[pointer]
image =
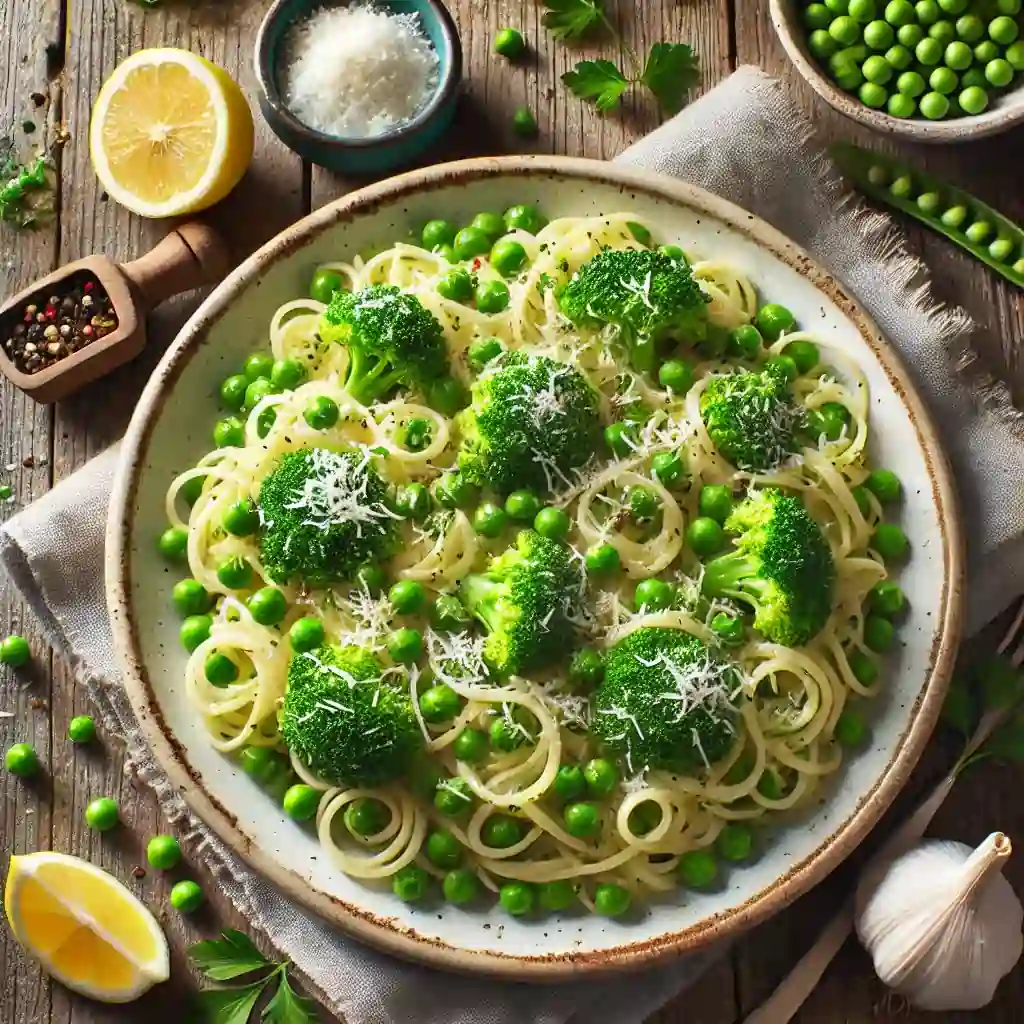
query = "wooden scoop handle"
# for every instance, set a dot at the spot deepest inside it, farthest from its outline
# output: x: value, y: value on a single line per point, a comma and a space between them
x: 191, y: 256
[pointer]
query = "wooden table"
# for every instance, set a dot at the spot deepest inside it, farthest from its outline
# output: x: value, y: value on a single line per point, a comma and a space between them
x: 65, y: 50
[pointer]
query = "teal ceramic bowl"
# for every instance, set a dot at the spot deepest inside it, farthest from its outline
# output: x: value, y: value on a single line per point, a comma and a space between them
x: 379, y: 153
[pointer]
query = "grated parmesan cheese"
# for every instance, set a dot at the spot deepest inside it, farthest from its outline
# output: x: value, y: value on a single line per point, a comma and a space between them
x: 358, y: 71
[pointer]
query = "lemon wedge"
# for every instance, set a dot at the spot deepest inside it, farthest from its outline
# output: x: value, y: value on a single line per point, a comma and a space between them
x: 85, y: 928
x: 171, y: 133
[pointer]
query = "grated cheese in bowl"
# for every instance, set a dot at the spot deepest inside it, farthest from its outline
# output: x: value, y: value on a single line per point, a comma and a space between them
x: 358, y: 71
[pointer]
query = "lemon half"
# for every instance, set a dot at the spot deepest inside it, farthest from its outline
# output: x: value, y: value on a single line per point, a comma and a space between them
x: 85, y: 928
x: 171, y: 133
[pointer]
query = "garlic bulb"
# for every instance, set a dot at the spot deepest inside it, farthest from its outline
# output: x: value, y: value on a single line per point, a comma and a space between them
x: 943, y: 925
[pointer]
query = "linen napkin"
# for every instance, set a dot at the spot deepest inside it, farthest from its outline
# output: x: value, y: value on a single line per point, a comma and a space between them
x: 745, y: 141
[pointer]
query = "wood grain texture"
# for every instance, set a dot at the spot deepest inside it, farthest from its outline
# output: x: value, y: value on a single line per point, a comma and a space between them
x: 276, y: 191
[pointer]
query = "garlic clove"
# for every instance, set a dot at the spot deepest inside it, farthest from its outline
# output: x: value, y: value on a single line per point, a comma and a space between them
x: 942, y: 924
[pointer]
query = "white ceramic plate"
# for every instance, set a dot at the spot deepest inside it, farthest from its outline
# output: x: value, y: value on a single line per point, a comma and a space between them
x: 171, y: 430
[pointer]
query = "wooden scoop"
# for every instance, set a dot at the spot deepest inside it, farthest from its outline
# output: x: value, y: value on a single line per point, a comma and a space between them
x: 191, y: 256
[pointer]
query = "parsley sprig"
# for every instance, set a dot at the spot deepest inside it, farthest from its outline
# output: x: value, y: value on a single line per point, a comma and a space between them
x: 669, y: 72
x: 234, y: 956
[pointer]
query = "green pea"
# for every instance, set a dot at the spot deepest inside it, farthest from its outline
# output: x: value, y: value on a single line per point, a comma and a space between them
x: 191, y: 489
x: 586, y: 669
x: 268, y: 606
x: 974, y: 77
x: 266, y: 419
x: 569, y: 782
x: 668, y: 468
x: 471, y: 746
x: 697, y: 869
x: 879, y: 634
x: 863, y: 666
x: 860, y: 495
x: 22, y: 760
x: 324, y: 284
x: 821, y: 44
x: 603, y: 559
x: 483, y: 351
x: 890, y: 542
x: 241, y: 519
x: 927, y: 11
x: 886, y: 598
x: 850, y: 730
x: 705, y: 536
x: 81, y: 729
x: 611, y: 900
x: 1018, y: 267
x: 508, y: 257
x: 453, y: 490
x: 235, y: 573
x: 517, y: 898
x: 440, y: 703
x: 735, y: 842
x: 555, y: 896
x: 524, y: 122
x: 715, y: 502
x: 447, y: 395
x: 804, y: 353
x: 366, y: 816
x: 676, y: 375
x: 456, y: 285
x: 911, y: 84
x: 959, y: 56
x: 943, y: 81
x: 102, y: 814
x: 979, y: 232
x: 509, y: 42
x: 942, y: 32
x: 899, y: 58
x: 260, y: 763
x: 471, y: 242
x: 986, y: 50
x: 190, y: 597
x: 500, y: 832
x: 492, y: 296
x: 1001, y: 250
x: 745, y: 342
x: 601, y: 776
x: 437, y: 232
x: 416, y: 434
x: 459, y: 886
x: 817, y: 16
x: 232, y: 392
x: 229, y: 433
x: 446, y: 252
x: 1003, y: 30
x: 973, y: 100
x: 453, y: 797
x: 639, y: 232
x: 884, y: 484
x: 257, y: 390
x: 899, y: 12
x: 505, y: 736
x: 371, y: 578
x: 774, y: 320
x: 910, y: 35
x: 410, y: 883
x: 729, y: 629
x: 489, y: 519
x: 407, y: 597
x: 258, y: 365
x: 173, y: 543
x: 490, y: 224
x: 954, y: 217
x: 879, y: 35
x: 194, y: 631
x: 861, y: 10
x: 406, y: 646
x: 163, y: 853
x: 300, y: 802
x: 306, y: 634
x: 928, y: 51
x: 413, y: 501
x: 287, y: 374
x: 187, y: 897
x: 448, y: 614
x: 1015, y: 55
x: 844, y: 30
x: 443, y: 849
x: 553, y: 523
x: 653, y: 596
x: 837, y: 6
x: 934, y: 106
x: 620, y: 439
x: 220, y: 670
x: 999, y: 72
x: 582, y: 819
x: 929, y: 203
x: 872, y: 95
x: 524, y: 218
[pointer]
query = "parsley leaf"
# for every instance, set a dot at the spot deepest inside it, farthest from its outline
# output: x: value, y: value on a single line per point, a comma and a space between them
x: 288, y: 1008
x: 228, y: 957
x: 598, y: 81
x: 570, y: 19
x: 230, y: 1005
x: 670, y: 73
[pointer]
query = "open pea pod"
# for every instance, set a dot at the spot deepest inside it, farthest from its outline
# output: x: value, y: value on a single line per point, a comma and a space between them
x: 972, y: 224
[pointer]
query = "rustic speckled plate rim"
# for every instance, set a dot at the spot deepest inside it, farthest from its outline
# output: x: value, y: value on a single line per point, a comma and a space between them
x: 385, y: 933
x: 996, y: 119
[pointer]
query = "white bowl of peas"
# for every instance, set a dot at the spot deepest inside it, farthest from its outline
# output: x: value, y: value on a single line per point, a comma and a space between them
x: 929, y: 70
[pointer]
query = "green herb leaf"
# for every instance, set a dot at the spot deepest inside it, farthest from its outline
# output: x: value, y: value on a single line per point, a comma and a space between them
x: 228, y: 957
x: 670, y: 73
x: 1002, y: 685
x: 597, y: 81
x: 230, y: 1005
x: 570, y: 19
x: 288, y: 1008
x: 959, y: 711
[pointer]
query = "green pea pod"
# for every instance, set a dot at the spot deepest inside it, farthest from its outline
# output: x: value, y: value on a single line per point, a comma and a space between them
x: 873, y: 174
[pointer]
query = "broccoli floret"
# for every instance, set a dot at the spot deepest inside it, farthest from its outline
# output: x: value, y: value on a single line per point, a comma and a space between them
x: 392, y: 340
x: 751, y: 418
x: 346, y: 723
x: 525, y: 599
x: 782, y: 568
x: 666, y: 701
x: 648, y: 296
x: 324, y: 514
x: 532, y: 421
